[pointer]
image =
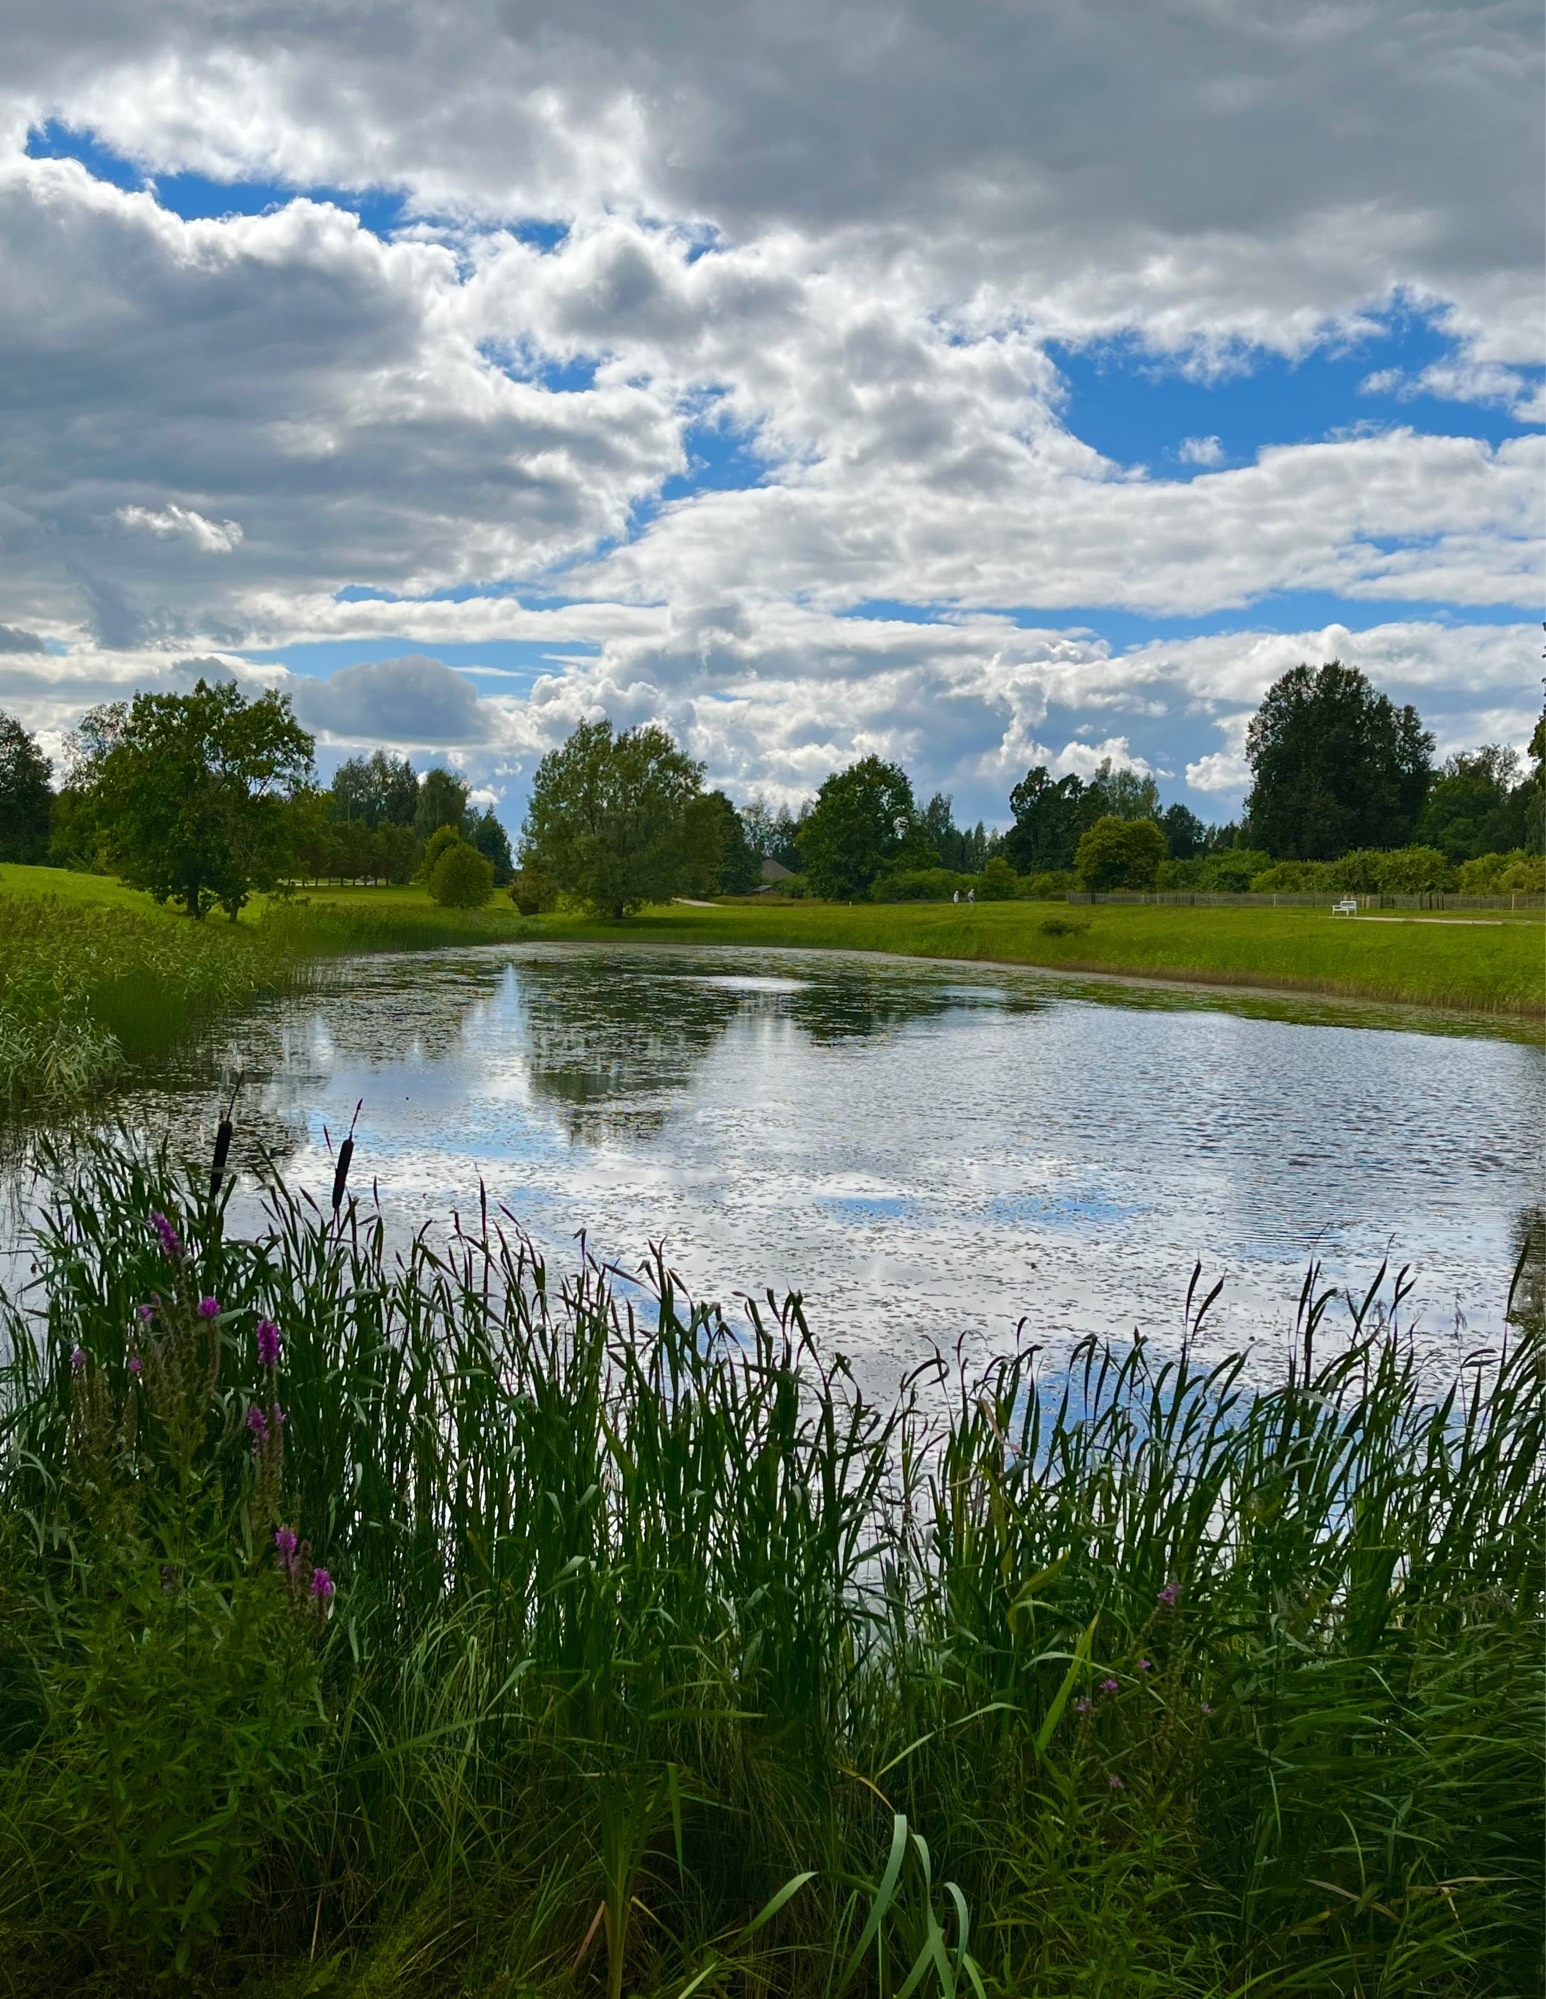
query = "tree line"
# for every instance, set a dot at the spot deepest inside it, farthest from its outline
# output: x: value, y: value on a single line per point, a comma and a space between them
x: 204, y: 799
x: 208, y: 797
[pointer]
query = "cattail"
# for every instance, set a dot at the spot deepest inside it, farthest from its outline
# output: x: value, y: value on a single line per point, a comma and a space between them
x: 222, y: 1145
x: 345, y: 1154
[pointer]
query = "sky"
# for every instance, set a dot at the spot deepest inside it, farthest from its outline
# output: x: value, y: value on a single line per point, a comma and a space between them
x: 979, y: 385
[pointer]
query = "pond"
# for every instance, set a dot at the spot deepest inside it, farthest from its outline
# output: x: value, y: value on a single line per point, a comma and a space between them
x: 927, y: 1153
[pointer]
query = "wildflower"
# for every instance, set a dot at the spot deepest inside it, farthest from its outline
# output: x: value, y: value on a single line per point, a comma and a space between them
x: 1170, y: 1595
x: 1111, y: 1686
x: 321, y: 1585
x: 145, y: 1313
x: 257, y: 1423
x: 135, y: 1363
x: 1081, y: 1707
x: 209, y: 1308
x: 77, y: 1358
x: 1206, y: 1709
x: 286, y: 1543
x: 268, y: 1343
x: 168, y: 1236
x: 1146, y: 1665
x: 1116, y: 1782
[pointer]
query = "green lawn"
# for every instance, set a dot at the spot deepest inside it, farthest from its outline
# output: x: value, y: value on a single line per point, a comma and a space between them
x: 1482, y: 967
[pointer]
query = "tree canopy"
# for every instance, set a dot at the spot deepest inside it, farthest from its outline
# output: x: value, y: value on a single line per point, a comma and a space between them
x: 1120, y: 853
x: 608, y: 819
x: 376, y: 790
x: 1335, y: 765
x: 26, y: 802
x: 187, y: 791
x: 442, y: 801
x: 862, y: 822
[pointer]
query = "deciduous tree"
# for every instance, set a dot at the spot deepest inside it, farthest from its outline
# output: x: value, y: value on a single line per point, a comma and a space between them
x: 188, y: 791
x: 863, y: 821
x: 26, y: 802
x: 608, y: 817
x: 1336, y: 765
x: 1120, y: 853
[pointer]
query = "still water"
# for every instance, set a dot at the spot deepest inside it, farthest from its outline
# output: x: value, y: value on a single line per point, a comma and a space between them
x: 926, y: 1154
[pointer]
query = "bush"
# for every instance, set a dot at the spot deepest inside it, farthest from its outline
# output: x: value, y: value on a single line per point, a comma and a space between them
x: 1391, y: 871
x: 461, y: 878
x: 1120, y: 853
x: 999, y: 882
x: 1524, y: 875
x: 441, y: 841
x: 917, y: 885
x: 1293, y: 877
x: 533, y: 892
x: 1051, y: 885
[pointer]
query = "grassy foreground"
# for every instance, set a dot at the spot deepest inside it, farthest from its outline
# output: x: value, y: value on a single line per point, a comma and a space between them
x: 433, y: 1626
x: 1480, y: 968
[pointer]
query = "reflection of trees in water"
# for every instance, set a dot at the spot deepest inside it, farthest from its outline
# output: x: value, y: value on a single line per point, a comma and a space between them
x: 614, y: 1043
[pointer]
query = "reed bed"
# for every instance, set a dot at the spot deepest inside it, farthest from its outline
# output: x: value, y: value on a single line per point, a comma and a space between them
x: 435, y: 1622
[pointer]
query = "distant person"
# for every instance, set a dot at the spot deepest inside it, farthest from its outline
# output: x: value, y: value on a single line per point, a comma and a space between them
x: 956, y: 897
x: 971, y: 895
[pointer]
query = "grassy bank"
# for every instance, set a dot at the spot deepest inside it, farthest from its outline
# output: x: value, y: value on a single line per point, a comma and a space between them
x: 1482, y: 968
x: 92, y: 973
x: 619, y: 1651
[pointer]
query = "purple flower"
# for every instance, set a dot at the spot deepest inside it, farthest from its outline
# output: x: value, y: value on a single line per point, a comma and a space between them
x: 77, y: 1358
x: 268, y: 1343
x: 257, y: 1423
x: 1170, y: 1595
x: 146, y: 1313
x: 321, y: 1585
x: 135, y: 1363
x: 168, y: 1235
x: 1146, y: 1665
x: 1206, y: 1709
x: 209, y: 1308
x: 286, y: 1543
x: 1081, y: 1707
x: 1111, y: 1686
x: 1116, y: 1783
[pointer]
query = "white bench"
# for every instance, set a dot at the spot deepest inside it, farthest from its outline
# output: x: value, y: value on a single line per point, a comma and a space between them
x: 1348, y: 906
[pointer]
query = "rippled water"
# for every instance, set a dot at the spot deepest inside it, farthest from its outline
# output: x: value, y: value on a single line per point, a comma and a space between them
x: 926, y: 1154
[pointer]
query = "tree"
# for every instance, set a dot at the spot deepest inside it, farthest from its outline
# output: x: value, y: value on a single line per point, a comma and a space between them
x: 864, y: 820
x: 1050, y: 817
x: 442, y: 801
x: 1185, y: 834
x: 1336, y: 765
x: 774, y: 836
x: 461, y: 878
x: 1120, y: 853
x: 1464, y: 809
x: 189, y: 790
x: 722, y: 860
x: 964, y: 850
x: 378, y: 789
x: 493, y: 843
x: 1122, y: 793
x: 26, y: 802
x: 608, y: 817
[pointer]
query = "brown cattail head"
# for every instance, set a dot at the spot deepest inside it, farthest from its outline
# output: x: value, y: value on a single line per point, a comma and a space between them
x: 345, y: 1154
x: 222, y: 1153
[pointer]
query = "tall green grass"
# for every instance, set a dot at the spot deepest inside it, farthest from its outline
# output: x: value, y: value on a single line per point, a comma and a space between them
x: 660, y: 1661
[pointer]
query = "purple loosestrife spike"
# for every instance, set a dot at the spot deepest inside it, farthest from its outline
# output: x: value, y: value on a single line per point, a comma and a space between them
x: 286, y: 1543
x: 209, y: 1308
x: 1117, y: 1784
x: 1146, y: 1665
x: 77, y: 1358
x: 168, y: 1235
x: 321, y: 1585
x: 268, y: 1343
x: 145, y: 1312
x: 1081, y: 1707
x: 257, y: 1423
x: 1111, y: 1686
x: 1170, y: 1595
x: 135, y: 1363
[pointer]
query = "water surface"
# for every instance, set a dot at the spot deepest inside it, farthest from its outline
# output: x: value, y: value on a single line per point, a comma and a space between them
x: 927, y: 1154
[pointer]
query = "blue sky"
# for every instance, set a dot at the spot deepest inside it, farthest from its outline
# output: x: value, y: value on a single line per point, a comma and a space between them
x: 520, y: 373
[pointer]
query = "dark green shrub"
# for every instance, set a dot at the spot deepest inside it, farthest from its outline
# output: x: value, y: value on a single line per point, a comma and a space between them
x: 999, y: 882
x: 460, y: 877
